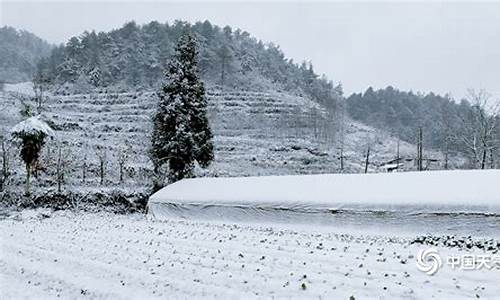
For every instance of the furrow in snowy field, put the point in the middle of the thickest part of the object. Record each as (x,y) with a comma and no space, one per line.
(82,270)
(195,259)
(14,279)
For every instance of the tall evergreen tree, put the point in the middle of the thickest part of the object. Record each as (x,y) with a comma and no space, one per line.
(181,133)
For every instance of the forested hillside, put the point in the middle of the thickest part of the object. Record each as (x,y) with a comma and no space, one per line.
(403,112)
(20,52)
(135,56)
(468,126)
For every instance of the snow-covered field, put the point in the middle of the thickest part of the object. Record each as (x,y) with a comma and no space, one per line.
(80,255)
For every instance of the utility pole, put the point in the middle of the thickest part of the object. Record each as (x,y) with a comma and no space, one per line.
(341,158)
(446,155)
(397,156)
(367,161)
(420,150)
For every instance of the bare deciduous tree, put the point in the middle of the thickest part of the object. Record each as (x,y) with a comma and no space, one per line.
(123,156)
(446,124)
(5,163)
(40,83)
(314,116)
(329,132)
(479,127)
(63,161)
(341,132)
(84,168)
(102,155)
(83,155)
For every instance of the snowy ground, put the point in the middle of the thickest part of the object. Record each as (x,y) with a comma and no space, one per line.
(72,255)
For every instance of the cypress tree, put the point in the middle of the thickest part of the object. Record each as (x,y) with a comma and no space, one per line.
(181,133)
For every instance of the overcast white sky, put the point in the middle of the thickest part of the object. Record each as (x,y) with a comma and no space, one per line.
(440,47)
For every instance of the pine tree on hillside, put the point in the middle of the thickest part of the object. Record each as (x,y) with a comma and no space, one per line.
(181,133)
(132,58)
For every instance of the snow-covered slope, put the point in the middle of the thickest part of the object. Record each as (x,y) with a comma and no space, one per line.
(25,88)
(256,133)
(413,192)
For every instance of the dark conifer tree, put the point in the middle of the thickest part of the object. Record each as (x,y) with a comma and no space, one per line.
(181,133)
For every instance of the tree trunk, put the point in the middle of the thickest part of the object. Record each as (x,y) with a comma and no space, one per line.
(446,160)
(397,156)
(397,152)
(367,161)
(222,73)
(5,173)
(28,177)
(59,185)
(483,159)
(59,166)
(84,170)
(314,121)
(341,159)
(102,172)
(121,173)
(492,160)
(34,169)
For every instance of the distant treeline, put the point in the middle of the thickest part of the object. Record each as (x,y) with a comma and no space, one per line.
(20,51)
(447,125)
(136,56)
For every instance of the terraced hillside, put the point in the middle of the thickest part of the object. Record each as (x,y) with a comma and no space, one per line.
(256,133)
